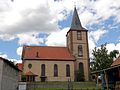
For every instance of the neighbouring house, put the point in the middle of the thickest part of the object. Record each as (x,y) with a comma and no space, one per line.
(20,67)
(8,75)
(50,63)
(110,76)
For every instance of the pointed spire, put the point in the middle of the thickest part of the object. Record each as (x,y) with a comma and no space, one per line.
(76,24)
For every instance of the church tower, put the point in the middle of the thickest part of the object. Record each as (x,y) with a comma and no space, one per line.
(77,42)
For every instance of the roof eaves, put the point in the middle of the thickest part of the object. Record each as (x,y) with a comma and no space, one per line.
(116,66)
(10,63)
(52,59)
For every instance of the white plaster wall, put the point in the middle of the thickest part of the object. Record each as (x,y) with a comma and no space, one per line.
(9,78)
(36,69)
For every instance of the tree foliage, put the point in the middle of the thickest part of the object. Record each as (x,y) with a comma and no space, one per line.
(80,76)
(101,58)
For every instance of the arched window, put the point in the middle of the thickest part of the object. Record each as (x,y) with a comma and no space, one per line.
(80,76)
(67,70)
(55,70)
(43,70)
(81,67)
(80,51)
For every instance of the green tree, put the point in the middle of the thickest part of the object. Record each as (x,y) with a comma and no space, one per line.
(101,58)
(80,76)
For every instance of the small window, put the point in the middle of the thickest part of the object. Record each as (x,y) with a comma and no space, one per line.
(79,35)
(30,66)
(80,51)
(67,70)
(55,70)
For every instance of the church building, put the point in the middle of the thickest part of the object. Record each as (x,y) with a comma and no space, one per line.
(48,63)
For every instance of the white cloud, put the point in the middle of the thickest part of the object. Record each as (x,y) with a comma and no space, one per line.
(28,39)
(106,8)
(7,37)
(32,16)
(93,38)
(42,16)
(92,45)
(19,51)
(3,55)
(96,35)
(57,38)
(87,17)
(111,46)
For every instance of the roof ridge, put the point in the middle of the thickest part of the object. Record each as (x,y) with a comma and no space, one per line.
(48,46)
(47,52)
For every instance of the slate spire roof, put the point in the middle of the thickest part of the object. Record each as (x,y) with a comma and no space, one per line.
(76,24)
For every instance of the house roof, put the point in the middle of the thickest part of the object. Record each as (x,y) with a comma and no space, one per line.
(9,63)
(114,65)
(116,62)
(20,66)
(46,53)
(29,73)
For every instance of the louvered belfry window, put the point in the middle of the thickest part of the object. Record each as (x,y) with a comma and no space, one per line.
(79,35)
(80,51)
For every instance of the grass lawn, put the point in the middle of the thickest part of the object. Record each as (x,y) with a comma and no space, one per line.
(79,88)
(89,82)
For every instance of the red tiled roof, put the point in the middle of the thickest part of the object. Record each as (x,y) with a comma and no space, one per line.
(20,66)
(116,62)
(29,73)
(46,53)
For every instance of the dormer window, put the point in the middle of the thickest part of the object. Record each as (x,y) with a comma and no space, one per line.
(37,54)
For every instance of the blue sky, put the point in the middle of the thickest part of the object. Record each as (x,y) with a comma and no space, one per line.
(47,22)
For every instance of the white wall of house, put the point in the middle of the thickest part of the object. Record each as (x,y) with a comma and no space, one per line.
(8,76)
